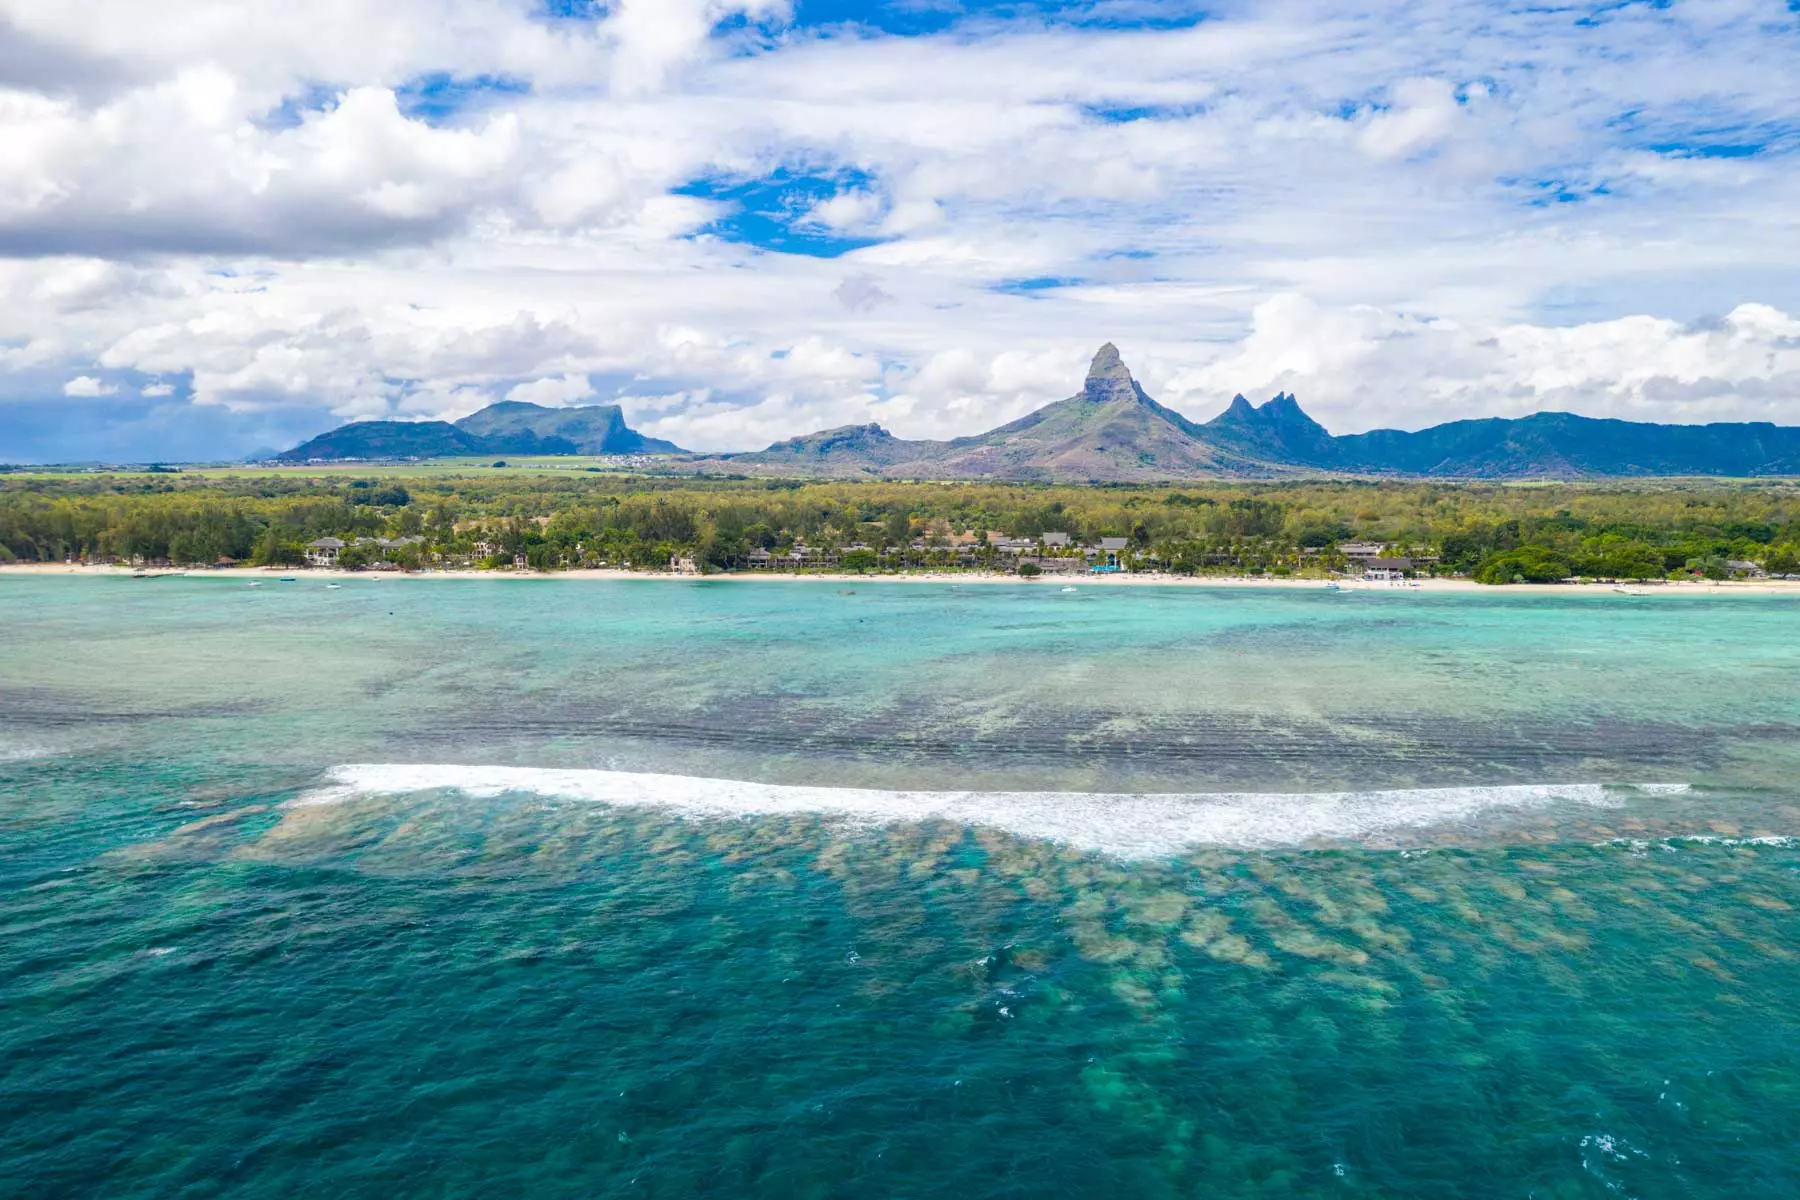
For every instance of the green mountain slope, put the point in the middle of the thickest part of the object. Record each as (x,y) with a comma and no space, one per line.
(848,450)
(510,427)
(587,429)
(1566,446)
(386,439)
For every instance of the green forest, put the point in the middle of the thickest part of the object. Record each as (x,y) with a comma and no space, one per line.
(1492,532)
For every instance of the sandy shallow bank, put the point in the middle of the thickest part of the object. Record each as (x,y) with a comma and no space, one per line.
(1053,582)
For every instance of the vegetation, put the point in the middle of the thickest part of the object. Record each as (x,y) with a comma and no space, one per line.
(1495,533)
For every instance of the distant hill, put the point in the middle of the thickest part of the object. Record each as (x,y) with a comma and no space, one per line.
(387,439)
(851,448)
(509,427)
(1555,445)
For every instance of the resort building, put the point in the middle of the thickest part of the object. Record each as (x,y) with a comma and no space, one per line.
(324,552)
(1362,553)
(1110,548)
(1387,570)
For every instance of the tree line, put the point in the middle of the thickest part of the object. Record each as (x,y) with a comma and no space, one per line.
(1496,533)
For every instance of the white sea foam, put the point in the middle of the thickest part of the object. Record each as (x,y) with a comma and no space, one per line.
(1122,825)
(25,751)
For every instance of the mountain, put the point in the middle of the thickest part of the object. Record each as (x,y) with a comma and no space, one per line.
(509,427)
(1565,446)
(857,448)
(386,439)
(586,429)
(1108,432)
(1279,431)
(1112,432)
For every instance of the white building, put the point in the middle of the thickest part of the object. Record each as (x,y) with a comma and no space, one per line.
(1387,570)
(1362,552)
(324,552)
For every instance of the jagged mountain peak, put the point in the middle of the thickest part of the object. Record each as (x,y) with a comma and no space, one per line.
(1279,430)
(1108,379)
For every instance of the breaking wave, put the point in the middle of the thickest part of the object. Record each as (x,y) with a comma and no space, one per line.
(1117,824)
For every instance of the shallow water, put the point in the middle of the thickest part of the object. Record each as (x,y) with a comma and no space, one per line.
(791,890)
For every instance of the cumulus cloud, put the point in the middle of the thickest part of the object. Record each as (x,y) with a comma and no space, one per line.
(654,38)
(1403,212)
(853,209)
(553,391)
(1742,366)
(87,385)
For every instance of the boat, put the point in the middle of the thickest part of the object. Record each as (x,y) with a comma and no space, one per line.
(1332,587)
(289,579)
(333,585)
(1069,589)
(256,583)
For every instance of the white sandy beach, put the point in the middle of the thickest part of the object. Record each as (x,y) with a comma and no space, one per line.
(1053,582)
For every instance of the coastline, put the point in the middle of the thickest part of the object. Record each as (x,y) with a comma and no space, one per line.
(1051,582)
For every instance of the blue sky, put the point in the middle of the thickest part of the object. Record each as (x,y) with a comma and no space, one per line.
(221,229)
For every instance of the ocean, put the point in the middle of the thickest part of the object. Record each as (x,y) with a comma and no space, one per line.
(556,888)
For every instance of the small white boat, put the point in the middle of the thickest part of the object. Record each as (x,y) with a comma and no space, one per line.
(330,586)
(1069,589)
(256,583)
(1332,587)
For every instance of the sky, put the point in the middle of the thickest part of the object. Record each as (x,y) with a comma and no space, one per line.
(228,226)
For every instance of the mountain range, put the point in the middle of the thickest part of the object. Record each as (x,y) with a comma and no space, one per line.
(509,427)
(1112,432)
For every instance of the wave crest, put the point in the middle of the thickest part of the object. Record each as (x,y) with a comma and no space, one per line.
(1119,824)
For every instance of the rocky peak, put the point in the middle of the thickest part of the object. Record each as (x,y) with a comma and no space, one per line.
(1107,378)
(1285,407)
(1279,431)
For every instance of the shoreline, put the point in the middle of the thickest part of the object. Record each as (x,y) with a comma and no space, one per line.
(985,578)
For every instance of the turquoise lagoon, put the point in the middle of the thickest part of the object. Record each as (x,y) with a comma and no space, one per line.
(568,888)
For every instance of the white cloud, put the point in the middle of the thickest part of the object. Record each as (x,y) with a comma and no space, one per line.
(1744,366)
(1423,115)
(1403,212)
(553,391)
(158,390)
(87,385)
(853,209)
(654,38)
